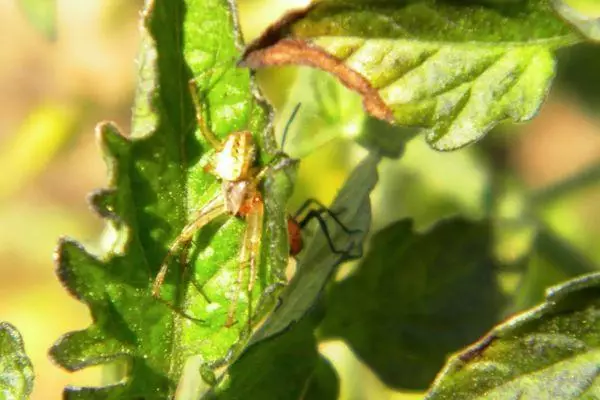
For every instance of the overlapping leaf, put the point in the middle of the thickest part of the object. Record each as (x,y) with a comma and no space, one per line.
(318,261)
(415,298)
(330,111)
(587,25)
(156,183)
(285,367)
(16,372)
(282,360)
(549,352)
(455,69)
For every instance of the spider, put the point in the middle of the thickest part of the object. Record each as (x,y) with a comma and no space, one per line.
(233,164)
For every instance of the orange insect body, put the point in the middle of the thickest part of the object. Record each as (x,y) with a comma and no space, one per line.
(295,236)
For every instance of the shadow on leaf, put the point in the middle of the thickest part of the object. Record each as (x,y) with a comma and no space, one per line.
(415,298)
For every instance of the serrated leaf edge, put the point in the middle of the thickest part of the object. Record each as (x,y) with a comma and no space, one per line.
(553,295)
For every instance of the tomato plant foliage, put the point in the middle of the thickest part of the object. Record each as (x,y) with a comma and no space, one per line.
(449,70)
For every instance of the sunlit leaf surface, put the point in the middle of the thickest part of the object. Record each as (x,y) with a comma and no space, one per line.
(549,352)
(16,372)
(453,68)
(157,182)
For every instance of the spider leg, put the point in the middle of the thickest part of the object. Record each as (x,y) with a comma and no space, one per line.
(214,208)
(254,229)
(249,257)
(184,260)
(280,161)
(204,129)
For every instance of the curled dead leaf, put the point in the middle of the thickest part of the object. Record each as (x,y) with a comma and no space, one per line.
(274,47)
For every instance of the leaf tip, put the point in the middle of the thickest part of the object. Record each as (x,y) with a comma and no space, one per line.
(109,136)
(70,257)
(17,373)
(102,202)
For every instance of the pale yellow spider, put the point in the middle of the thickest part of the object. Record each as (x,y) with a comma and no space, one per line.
(233,164)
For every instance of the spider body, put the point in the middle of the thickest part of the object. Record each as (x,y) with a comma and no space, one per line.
(234,165)
(233,162)
(239,196)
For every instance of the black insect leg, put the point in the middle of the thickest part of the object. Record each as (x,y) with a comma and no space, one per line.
(319,214)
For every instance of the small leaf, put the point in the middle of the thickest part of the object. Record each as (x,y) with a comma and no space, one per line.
(16,371)
(456,70)
(415,298)
(588,26)
(317,262)
(549,352)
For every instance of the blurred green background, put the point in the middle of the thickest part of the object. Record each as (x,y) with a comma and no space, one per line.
(59,80)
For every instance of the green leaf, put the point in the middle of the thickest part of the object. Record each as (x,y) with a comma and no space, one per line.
(330,111)
(586,25)
(551,261)
(317,262)
(284,367)
(266,368)
(549,352)
(16,371)
(415,298)
(157,182)
(456,70)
